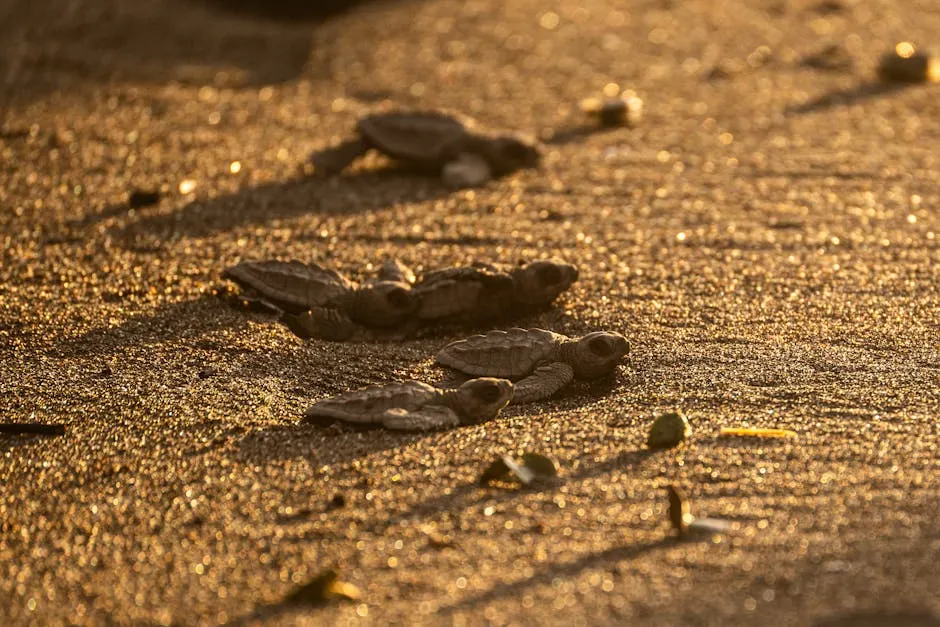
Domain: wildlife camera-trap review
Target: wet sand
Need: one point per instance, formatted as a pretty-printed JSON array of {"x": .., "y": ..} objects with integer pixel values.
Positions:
[{"x": 766, "y": 238}]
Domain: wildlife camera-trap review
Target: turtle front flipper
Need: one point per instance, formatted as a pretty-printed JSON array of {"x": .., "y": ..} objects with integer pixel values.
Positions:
[
  {"x": 425, "y": 419},
  {"x": 334, "y": 160},
  {"x": 324, "y": 324},
  {"x": 467, "y": 170},
  {"x": 543, "y": 382}
]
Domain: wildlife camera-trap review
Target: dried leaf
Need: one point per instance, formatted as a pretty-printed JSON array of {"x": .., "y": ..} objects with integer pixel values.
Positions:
[
  {"x": 533, "y": 467},
  {"x": 541, "y": 465},
  {"x": 755, "y": 432},
  {"x": 523, "y": 474}
]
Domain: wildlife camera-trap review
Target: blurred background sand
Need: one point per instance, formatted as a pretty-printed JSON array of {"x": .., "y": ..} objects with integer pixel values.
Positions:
[{"x": 767, "y": 239}]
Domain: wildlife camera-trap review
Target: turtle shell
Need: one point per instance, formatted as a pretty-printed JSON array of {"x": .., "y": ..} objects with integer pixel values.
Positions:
[
  {"x": 293, "y": 285},
  {"x": 511, "y": 354},
  {"x": 469, "y": 291},
  {"x": 428, "y": 139},
  {"x": 367, "y": 405}
]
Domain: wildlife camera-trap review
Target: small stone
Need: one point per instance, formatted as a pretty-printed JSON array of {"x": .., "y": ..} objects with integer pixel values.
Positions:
[
  {"x": 142, "y": 198},
  {"x": 541, "y": 465},
  {"x": 906, "y": 64},
  {"x": 496, "y": 471},
  {"x": 669, "y": 430},
  {"x": 623, "y": 110}
]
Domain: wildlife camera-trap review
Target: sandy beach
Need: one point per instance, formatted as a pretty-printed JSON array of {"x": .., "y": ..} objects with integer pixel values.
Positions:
[{"x": 766, "y": 238}]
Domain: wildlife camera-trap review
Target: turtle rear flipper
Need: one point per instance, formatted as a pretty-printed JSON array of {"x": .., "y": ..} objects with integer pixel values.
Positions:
[
  {"x": 335, "y": 159},
  {"x": 324, "y": 324},
  {"x": 424, "y": 419},
  {"x": 543, "y": 382}
]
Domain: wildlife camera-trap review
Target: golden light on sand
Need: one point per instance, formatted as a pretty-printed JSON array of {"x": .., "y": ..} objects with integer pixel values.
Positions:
[
  {"x": 549, "y": 21},
  {"x": 905, "y": 49},
  {"x": 235, "y": 167},
  {"x": 933, "y": 70},
  {"x": 187, "y": 186}
]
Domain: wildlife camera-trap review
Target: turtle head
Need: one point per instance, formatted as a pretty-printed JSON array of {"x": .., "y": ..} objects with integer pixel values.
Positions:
[
  {"x": 384, "y": 304},
  {"x": 539, "y": 282},
  {"x": 482, "y": 399},
  {"x": 507, "y": 154},
  {"x": 597, "y": 354},
  {"x": 394, "y": 270}
]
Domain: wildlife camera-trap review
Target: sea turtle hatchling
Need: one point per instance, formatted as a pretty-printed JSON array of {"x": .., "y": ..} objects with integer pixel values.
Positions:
[
  {"x": 324, "y": 304},
  {"x": 302, "y": 289},
  {"x": 484, "y": 292},
  {"x": 416, "y": 406},
  {"x": 432, "y": 142},
  {"x": 539, "y": 362}
]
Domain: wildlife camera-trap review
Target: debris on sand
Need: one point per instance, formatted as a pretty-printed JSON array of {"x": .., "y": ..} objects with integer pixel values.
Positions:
[
  {"x": 623, "y": 109},
  {"x": 324, "y": 588},
  {"x": 756, "y": 432},
  {"x": 688, "y": 526},
  {"x": 31, "y": 428},
  {"x": 906, "y": 64},
  {"x": 532, "y": 468},
  {"x": 669, "y": 430},
  {"x": 142, "y": 198}
]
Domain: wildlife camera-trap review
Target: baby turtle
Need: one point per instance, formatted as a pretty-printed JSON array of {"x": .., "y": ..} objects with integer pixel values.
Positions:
[
  {"x": 308, "y": 290},
  {"x": 483, "y": 292},
  {"x": 430, "y": 142},
  {"x": 416, "y": 406},
  {"x": 538, "y": 361}
]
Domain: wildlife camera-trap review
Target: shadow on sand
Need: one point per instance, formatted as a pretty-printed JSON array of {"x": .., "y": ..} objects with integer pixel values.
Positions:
[
  {"x": 848, "y": 97},
  {"x": 224, "y": 43},
  {"x": 350, "y": 194},
  {"x": 172, "y": 321},
  {"x": 557, "y": 569}
]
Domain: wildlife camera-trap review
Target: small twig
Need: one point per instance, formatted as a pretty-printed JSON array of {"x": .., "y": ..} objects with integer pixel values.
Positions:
[{"x": 31, "y": 428}]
